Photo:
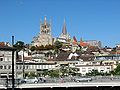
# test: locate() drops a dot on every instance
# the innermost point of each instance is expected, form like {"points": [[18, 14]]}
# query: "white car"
{"points": [[83, 79], [31, 80]]}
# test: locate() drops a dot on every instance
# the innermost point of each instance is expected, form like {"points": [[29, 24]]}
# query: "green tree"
{"points": [[58, 45], [65, 70], [117, 70], [49, 53], [49, 47], [19, 45], [31, 74], [33, 48], [93, 73], [54, 73]]}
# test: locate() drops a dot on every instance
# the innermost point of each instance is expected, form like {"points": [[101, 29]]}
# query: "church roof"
{"points": [[74, 40], [64, 30]]}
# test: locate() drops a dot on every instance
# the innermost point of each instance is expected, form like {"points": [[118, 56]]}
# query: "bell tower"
{"points": [[44, 38], [45, 27]]}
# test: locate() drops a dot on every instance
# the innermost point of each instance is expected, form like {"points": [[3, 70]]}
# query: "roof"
{"points": [[83, 44], [74, 40], [2, 44], [6, 48], [62, 56], [87, 57]]}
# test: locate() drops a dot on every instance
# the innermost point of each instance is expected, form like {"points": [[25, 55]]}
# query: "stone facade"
{"points": [[44, 37]]}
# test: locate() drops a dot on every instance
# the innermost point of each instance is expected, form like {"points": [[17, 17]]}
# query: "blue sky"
{"points": [[89, 19]]}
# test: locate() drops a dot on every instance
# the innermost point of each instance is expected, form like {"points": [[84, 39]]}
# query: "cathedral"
{"points": [[44, 37]]}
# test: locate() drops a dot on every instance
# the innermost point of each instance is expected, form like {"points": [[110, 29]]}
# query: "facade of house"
{"points": [[6, 61], [34, 67], [84, 69]]}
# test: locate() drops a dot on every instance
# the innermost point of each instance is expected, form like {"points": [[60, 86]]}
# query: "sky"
{"points": [[89, 19]]}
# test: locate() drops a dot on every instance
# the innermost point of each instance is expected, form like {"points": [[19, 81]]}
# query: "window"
{"points": [[9, 67], [83, 69], [1, 67], [26, 67], [90, 68], [1, 59], [5, 67], [108, 67], [16, 67]]}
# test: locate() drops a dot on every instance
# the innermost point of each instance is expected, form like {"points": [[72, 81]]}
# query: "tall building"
{"points": [[44, 37], [64, 37]]}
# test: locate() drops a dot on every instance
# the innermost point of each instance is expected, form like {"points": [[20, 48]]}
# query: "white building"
{"points": [[83, 69], [34, 66], [6, 62]]}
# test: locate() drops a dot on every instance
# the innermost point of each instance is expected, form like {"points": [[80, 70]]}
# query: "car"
{"points": [[42, 79], [29, 80], [83, 79], [20, 81]]}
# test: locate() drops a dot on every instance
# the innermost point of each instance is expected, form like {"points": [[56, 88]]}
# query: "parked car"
{"points": [[42, 79], [83, 79], [29, 80]]}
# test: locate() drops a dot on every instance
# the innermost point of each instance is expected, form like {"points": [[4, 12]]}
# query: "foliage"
{"points": [[19, 45], [96, 73], [48, 53], [47, 47], [93, 73], [45, 72], [117, 70], [30, 74], [58, 45], [54, 73], [33, 48], [65, 70]]}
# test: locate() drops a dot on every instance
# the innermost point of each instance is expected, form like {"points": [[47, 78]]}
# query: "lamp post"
{"points": [[13, 64]]}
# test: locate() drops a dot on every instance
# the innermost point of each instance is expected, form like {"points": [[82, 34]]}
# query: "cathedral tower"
{"points": [[44, 37]]}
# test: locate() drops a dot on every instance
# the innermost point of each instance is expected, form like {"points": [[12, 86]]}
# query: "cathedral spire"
{"points": [[45, 20], [64, 30]]}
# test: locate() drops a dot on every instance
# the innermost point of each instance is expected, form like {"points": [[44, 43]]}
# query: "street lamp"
{"points": [[13, 64]]}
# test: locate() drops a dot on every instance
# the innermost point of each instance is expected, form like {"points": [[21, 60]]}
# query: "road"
{"points": [[69, 84], [96, 82]]}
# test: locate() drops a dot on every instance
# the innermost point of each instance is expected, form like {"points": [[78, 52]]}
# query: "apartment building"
{"points": [[6, 61]]}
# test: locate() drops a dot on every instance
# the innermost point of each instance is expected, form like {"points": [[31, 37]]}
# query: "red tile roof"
{"points": [[2, 44]]}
